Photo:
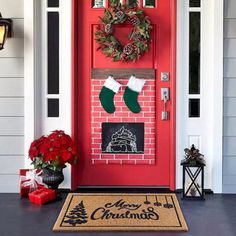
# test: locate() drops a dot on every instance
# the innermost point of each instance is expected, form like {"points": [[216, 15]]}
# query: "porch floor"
{"points": [[215, 216]]}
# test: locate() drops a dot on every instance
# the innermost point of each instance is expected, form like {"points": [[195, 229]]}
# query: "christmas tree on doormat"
{"points": [[77, 216]]}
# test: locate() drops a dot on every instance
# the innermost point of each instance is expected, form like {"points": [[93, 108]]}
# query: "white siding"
{"points": [[13, 87], [11, 67], [9, 183], [12, 98], [229, 159], [9, 168], [229, 28]]}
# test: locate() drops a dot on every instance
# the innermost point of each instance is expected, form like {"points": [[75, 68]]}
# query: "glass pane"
{"points": [[195, 3], [53, 107], [194, 52], [2, 33], [133, 2], [98, 3], [194, 107], [53, 3], [149, 3], [53, 53], [193, 188]]}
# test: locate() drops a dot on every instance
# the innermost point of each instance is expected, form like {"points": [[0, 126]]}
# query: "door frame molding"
{"points": [[74, 92], [173, 82], [33, 74], [74, 84], [211, 127], [30, 74], [32, 68]]}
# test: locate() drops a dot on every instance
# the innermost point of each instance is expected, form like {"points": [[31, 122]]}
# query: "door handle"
{"points": [[164, 97]]}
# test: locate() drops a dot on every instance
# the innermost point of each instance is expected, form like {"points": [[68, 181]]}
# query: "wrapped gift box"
{"points": [[42, 196], [30, 180]]}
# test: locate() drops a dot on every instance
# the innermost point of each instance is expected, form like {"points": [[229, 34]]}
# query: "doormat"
{"points": [[120, 212]]}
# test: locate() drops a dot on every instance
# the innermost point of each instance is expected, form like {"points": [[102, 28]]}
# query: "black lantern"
{"points": [[193, 174], [5, 30]]}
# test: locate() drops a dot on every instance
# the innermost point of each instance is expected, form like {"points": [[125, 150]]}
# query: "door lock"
{"points": [[164, 97], [165, 76], [164, 94]]}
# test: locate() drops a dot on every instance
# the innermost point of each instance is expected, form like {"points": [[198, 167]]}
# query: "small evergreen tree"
{"points": [[77, 215]]}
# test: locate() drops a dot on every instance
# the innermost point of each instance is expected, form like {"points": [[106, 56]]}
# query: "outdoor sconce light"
{"points": [[5, 30], [193, 174]]}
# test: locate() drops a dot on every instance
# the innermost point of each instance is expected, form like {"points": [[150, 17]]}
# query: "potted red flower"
{"points": [[51, 153]]}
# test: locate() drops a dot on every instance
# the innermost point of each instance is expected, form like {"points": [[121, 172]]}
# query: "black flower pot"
{"points": [[52, 178]]}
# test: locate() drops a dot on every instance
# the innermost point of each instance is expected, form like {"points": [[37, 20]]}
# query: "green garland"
{"points": [[138, 38]]}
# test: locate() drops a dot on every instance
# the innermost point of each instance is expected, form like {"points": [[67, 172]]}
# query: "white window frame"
{"points": [[205, 132], [36, 121]]}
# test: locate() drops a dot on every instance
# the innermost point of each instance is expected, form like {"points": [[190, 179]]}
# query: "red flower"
{"points": [[55, 144], [33, 152], [54, 150], [44, 146], [66, 156]]}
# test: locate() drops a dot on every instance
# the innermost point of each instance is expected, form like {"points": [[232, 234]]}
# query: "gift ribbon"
{"points": [[32, 179]]}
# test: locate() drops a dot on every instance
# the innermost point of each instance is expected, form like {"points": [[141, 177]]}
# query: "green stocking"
{"points": [[134, 87], [106, 96]]}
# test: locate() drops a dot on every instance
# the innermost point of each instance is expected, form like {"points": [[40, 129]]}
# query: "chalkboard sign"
{"points": [[123, 138]]}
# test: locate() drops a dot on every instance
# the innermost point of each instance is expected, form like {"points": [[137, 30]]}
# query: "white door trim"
{"points": [[206, 131], [36, 122], [217, 74], [30, 68]]}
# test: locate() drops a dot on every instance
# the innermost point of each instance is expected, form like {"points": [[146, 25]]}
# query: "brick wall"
{"points": [[122, 114]]}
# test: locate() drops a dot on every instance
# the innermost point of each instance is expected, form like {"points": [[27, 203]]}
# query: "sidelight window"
{"points": [[53, 3], [194, 58], [54, 73], [149, 3], [53, 70], [195, 3]]}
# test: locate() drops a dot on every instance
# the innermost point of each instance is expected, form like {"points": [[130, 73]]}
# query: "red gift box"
{"points": [[42, 196], [30, 180]]}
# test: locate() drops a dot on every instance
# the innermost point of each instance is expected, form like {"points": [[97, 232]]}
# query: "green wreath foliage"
{"points": [[139, 37]]}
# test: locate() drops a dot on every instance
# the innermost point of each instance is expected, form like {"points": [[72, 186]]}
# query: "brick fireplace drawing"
{"points": [[122, 114]]}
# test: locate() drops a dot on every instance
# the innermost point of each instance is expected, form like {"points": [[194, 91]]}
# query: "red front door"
{"points": [[155, 165]]}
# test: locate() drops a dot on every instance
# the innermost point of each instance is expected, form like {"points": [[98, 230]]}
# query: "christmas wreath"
{"points": [[138, 38]]}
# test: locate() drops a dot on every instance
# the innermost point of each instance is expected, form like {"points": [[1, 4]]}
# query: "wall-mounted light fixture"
{"points": [[5, 30]]}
